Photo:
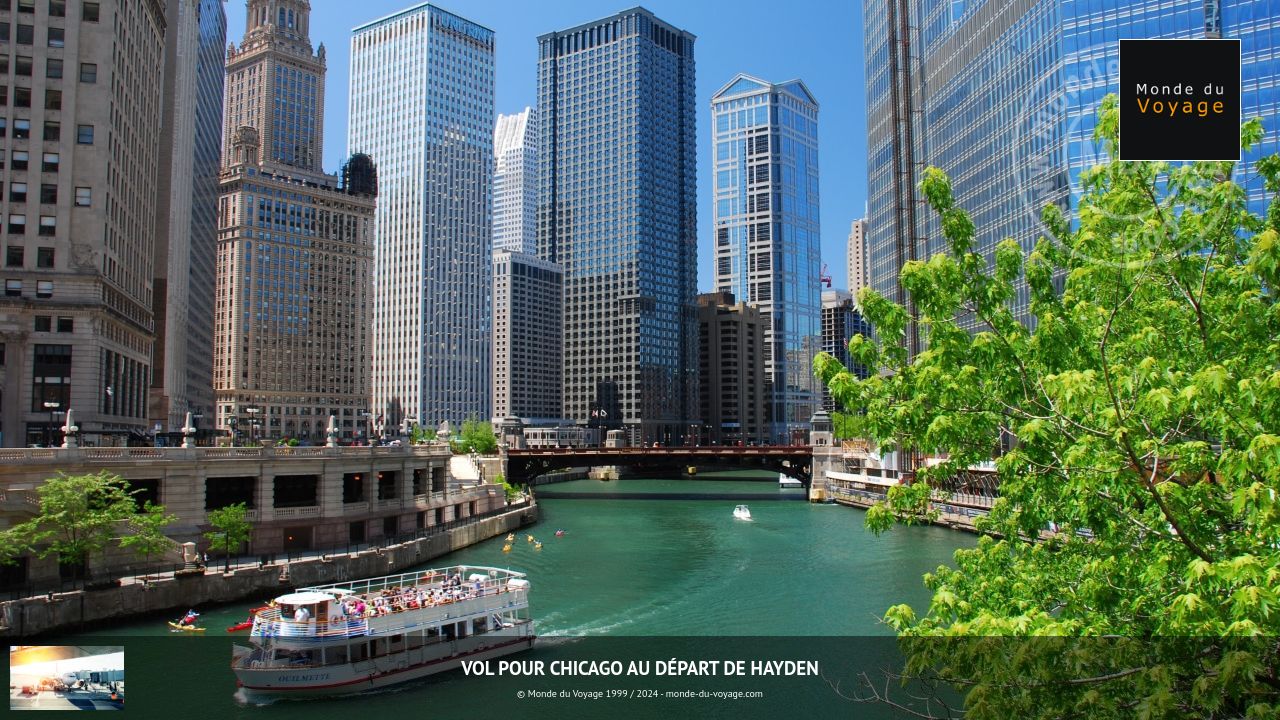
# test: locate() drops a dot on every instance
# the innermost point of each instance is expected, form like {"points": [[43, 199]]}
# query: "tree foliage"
{"points": [[419, 435], [1141, 421], [476, 436], [231, 529], [79, 516], [147, 537]]}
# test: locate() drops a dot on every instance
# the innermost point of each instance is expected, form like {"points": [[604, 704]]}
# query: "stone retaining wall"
{"points": [[74, 610]]}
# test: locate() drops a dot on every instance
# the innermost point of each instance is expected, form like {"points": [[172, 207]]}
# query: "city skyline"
{"points": [[833, 71]]}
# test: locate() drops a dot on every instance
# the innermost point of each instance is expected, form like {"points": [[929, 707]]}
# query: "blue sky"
{"points": [[818, 41]]}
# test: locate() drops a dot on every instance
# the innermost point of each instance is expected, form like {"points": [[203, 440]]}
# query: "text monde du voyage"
{"points": [[673, 667], [1181, 99]]}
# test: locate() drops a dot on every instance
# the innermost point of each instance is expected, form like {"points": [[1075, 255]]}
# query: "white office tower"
{"points": [[515, 183]]}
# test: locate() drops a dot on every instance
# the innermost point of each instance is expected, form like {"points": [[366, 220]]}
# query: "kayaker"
{"points": [[190, 618]]}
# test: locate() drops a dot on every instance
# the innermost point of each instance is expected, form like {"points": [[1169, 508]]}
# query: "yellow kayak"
{"points": [[185, 628]]}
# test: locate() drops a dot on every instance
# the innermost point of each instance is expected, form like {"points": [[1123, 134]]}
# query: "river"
{"points": [[626, 573]]}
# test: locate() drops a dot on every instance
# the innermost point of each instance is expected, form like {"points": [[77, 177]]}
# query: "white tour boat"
{"points": [[357, 636], [742, 512], [785, 482]]}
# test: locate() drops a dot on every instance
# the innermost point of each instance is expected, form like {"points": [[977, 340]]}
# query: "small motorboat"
{"points": [[742, 512], [247, 624], [184, 628]]}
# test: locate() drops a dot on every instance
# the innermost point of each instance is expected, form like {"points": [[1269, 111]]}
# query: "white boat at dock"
{"points": [[742, 512], [351, 637], [785, 482]]}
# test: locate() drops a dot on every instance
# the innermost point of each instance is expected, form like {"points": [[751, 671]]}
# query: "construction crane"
{"points": [[824, 277]]}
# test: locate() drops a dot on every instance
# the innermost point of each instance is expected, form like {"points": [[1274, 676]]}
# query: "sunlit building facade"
{"points": [[617, 210], [422, 107], [515, 183], [768, 238]]}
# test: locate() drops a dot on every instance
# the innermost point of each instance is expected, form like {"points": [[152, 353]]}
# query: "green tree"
{"points": [[231, 529], [419, 435], [147, 537], [511, 490], [1138, 498], [79, 516], [476, 436]]}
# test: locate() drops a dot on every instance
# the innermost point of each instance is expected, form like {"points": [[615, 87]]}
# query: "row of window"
{"points": [[55, 37], [15, 256], [49, 162], [52, 130], [13, 288], [48, 195], [44, 323], [89, 11], [22, 97], [23, 65]]}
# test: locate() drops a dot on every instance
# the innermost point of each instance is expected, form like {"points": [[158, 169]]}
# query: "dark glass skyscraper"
{"points": [[617, 209], [1003, 97]]}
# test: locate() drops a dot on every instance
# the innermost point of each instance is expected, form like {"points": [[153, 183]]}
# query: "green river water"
{"points": [[630, 578]]}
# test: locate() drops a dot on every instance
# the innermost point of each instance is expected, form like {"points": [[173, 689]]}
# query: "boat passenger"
{"points": [[301, 614]]}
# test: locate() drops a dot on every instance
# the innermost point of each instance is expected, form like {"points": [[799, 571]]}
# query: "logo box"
{"points": [[1180, 99]]}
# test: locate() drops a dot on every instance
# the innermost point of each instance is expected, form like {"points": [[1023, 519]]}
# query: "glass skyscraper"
{"points": [[617, 210], [1003, 97], [768, 239], [422, 107]]}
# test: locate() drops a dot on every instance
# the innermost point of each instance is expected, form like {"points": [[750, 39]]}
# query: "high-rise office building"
{"points": [[617, 210], [1003, 97], [840, 322], [83, 110], [515, 183], [275, 84], [732, 392], [190, 146], [422, 107], [768, 239], [295, 247], [527, 296], [857, 250]]}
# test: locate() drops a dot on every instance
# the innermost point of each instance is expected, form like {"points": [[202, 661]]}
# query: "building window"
{"points": [[26, 34], [51, 377], [53, 68], [4, 33], [22, 65], [17, 224], [21, 129], [50, 163], [13, 256], [44, 257], [4, 95], [88, 73], [52, 99], [84, 197], [20, 159], [84, 134], [22, 97], [4, 62], [44, 289], [26, 6], [13, 288], [4, 125], [57, 37], [57, 8], [44, 323], [89, 12], [66, 324], [48, 194], [17, 192], [48, 226], [52, 131]]}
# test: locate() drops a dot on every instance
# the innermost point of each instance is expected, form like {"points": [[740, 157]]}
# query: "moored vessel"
{"points": [[357, 636]]}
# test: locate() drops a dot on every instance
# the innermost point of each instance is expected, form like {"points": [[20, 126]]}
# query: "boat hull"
{"points": [[259, 686]]}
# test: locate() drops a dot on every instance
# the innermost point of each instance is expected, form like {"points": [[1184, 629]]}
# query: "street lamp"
{"points": [[52, 407], [253, 411]]}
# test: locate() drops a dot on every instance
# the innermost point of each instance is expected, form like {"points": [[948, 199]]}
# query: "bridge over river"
{"points": [[795, 461]]}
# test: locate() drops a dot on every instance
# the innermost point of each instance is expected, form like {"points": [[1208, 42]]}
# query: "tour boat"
{"points": [[785, 482], [742, 512], [317, 641]]}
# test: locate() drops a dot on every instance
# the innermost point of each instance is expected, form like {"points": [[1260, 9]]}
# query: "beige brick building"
{"points": [[80, 111], [295, 247]]}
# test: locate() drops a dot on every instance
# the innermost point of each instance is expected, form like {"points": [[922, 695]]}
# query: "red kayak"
{"points": [[247, 623]]}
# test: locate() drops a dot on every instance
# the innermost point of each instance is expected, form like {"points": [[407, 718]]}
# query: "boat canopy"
{"points": [[304, 598]]}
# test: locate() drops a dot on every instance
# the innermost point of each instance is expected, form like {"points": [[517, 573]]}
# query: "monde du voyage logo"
{"points": [[1179, 99]]}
